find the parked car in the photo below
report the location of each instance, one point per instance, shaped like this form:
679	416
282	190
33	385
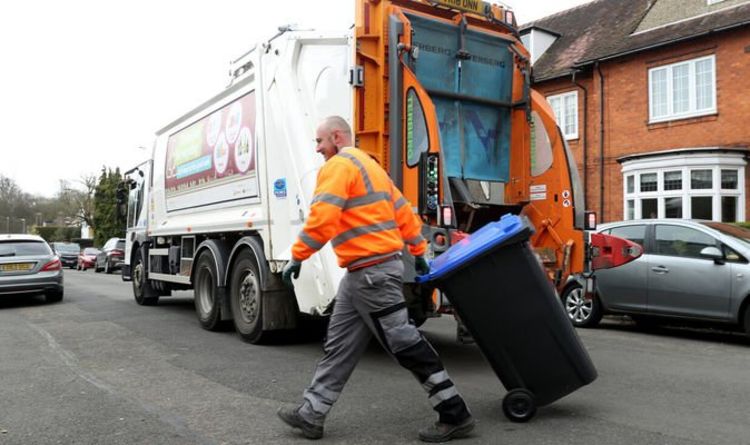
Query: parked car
690	270
111	256
29	266
68	253
87	258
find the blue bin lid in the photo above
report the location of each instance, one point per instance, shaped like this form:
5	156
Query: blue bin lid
473	246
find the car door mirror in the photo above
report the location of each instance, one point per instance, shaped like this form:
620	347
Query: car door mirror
713	253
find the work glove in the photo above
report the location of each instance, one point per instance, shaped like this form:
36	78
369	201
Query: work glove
421	266
291	269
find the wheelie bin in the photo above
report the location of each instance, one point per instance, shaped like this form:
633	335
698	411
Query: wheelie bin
501	293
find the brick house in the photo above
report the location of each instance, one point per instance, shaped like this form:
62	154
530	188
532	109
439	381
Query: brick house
652	97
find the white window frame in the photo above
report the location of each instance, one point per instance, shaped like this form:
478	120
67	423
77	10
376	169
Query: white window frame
561	117
692	91
685	164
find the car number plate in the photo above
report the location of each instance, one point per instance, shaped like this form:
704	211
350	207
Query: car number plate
14	267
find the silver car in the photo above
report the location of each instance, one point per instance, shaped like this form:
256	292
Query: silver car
689	270
28	266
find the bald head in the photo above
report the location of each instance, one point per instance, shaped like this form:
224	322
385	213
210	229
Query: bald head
332	135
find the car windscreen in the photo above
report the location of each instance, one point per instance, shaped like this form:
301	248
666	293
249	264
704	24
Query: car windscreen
90	251
23	248
120	245
67	248
741	234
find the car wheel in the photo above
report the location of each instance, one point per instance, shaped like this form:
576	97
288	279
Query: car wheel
143	293
581	312
747	320
207	292
53	296
246	298
107	269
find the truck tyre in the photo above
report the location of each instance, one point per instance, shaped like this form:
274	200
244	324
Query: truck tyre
207	292
246	297
144	294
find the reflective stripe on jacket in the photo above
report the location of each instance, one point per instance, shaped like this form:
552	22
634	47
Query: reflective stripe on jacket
358	208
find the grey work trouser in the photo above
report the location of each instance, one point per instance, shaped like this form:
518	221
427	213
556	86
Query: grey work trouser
370	300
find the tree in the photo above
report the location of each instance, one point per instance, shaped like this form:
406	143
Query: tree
16	207
107	220
80	200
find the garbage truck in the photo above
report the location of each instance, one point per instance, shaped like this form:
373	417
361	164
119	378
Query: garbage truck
437	92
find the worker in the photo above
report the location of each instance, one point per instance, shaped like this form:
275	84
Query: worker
358	208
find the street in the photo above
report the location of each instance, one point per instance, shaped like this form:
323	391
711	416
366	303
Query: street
99	369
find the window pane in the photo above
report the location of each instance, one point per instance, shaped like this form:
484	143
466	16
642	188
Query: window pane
417	140
630	180
700	207
681	88
729	179
701	179
704	84
659	93
649	208
633	233
673	180
673	207
554	102
729	208
648	182
630	213
541	148
681	241
571	120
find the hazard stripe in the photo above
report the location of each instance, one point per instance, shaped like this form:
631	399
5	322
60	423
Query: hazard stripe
435	379
362	171
415	241
443	395
305	238
369	198
329	198
364	230
400	202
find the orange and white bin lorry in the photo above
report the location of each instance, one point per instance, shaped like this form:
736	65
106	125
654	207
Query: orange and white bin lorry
438	92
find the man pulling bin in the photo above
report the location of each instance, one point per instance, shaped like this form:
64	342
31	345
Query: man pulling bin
357	207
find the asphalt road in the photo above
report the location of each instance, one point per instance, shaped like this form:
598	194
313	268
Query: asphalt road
99	369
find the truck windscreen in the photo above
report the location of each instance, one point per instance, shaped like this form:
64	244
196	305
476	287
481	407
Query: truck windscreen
468	75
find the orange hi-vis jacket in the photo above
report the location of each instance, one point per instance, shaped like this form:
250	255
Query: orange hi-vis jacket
358	208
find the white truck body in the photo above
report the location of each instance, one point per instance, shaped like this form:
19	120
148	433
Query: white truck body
244	162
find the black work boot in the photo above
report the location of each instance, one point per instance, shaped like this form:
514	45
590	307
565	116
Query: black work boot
291	417
443	432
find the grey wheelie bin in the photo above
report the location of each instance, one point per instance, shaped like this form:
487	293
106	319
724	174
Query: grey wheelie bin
501	293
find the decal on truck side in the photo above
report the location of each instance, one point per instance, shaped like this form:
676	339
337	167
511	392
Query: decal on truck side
210	160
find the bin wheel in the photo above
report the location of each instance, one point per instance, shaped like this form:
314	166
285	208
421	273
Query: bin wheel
519	405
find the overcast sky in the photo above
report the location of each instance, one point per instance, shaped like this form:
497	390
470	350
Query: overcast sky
85	83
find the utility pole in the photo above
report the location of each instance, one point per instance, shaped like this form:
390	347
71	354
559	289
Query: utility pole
23	225
7	224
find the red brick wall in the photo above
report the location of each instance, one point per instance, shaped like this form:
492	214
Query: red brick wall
626	113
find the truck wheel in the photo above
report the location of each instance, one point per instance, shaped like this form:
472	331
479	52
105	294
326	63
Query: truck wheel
207	292
144	294
246	297
519	405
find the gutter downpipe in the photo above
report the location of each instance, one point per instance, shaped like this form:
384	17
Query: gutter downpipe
585	134
601	139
